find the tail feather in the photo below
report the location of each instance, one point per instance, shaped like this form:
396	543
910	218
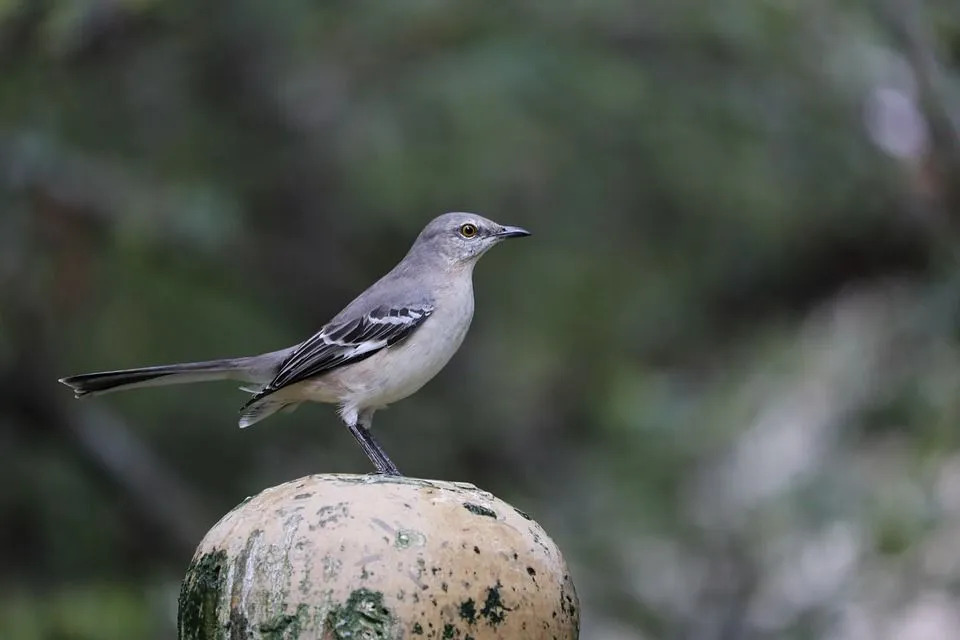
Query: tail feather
107	381
256	411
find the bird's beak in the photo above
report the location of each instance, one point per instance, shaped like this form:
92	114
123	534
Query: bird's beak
512	232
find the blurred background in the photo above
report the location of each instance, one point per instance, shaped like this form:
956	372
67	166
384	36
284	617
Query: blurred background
724	373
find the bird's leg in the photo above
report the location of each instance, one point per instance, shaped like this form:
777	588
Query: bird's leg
360	428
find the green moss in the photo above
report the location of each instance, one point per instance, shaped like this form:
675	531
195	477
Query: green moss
468	610
493	608
197	617
478	510
522	514
363	615
284	626
238	624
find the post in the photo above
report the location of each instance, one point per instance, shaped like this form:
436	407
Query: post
338	557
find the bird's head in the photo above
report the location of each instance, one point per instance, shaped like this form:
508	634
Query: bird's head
459	238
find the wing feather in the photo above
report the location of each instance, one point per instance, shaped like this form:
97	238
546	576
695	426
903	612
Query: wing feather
346	342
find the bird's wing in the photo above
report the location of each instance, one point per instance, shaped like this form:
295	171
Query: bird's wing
340	343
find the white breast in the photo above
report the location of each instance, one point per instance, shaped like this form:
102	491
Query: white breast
398	371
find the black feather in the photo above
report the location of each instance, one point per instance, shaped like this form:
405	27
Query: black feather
335	345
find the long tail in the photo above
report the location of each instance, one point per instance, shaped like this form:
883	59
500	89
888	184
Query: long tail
257	369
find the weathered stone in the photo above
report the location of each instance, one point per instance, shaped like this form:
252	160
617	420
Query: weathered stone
338	557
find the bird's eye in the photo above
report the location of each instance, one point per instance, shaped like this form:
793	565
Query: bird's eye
468	230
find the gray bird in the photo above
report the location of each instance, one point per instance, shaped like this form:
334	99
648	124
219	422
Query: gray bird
386	344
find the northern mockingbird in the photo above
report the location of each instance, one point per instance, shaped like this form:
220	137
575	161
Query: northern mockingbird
384	346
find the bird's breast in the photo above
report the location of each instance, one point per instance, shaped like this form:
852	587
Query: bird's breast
400	370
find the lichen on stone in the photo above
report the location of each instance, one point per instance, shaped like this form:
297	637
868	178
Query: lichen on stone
331	567
283	626
493	608
331	514
198	615
468	610
479	510
363	615
406	538
361	560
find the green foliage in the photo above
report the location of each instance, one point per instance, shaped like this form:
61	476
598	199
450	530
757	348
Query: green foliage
724	372
94	611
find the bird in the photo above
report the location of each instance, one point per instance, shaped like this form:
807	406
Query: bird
381	348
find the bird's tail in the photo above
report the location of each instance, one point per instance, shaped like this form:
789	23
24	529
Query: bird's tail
252	369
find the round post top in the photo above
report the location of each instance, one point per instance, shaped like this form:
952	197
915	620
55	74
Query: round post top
337	557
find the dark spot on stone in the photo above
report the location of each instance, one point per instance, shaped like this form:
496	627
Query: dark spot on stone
301	496
568	604
197	617
417	629
476	549
444	586
493	608
478	510
468	610
531	572
448	631
522	514
282	626
238	624
331	513
363	615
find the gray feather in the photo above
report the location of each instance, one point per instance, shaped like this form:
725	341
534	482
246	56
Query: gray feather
257	369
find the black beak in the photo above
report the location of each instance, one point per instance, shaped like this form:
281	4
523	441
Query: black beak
512	232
